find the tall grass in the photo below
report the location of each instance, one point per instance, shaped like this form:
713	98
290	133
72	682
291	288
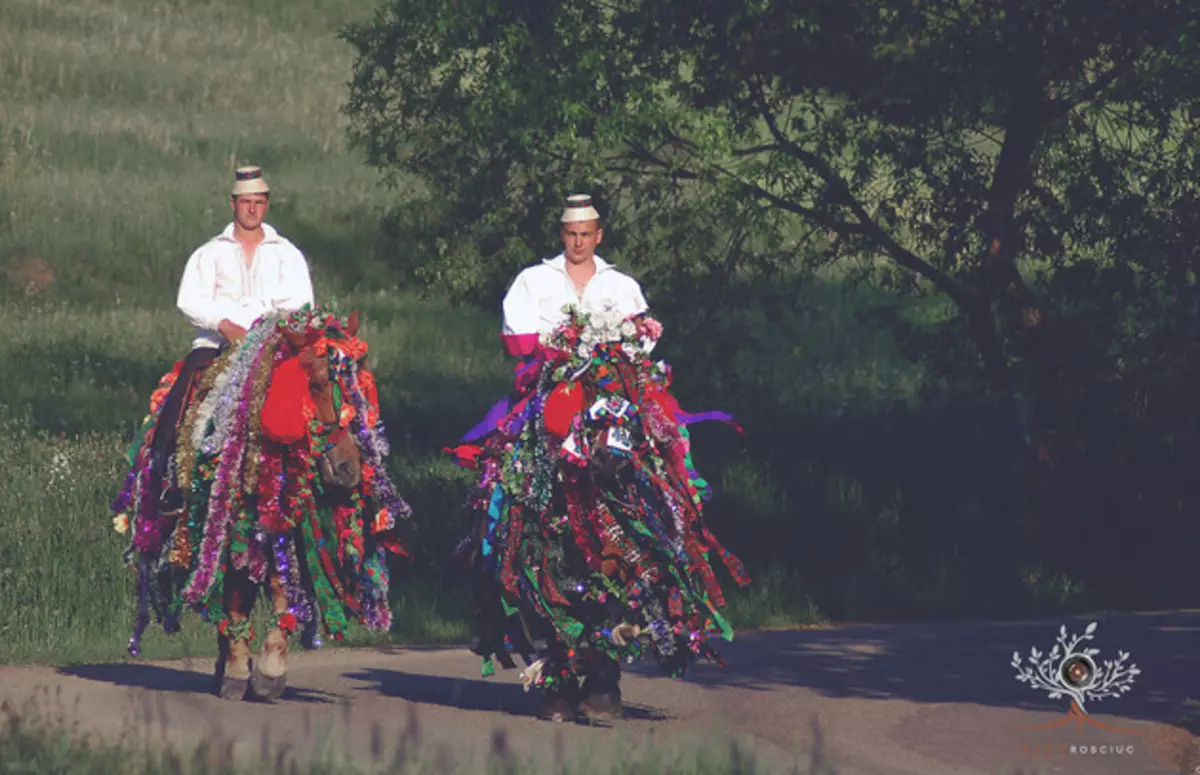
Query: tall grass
43	737
122	122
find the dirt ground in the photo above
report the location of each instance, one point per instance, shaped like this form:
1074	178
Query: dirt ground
889	699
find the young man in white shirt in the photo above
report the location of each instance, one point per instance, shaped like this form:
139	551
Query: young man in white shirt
231	281
535	301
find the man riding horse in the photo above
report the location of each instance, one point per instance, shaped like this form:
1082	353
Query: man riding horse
261	467
588	533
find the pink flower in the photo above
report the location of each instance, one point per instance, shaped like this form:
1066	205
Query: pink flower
652	327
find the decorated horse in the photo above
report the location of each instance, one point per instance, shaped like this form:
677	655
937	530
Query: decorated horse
280	455
590	533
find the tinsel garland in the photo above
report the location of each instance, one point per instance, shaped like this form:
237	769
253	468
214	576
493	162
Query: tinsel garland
262	378
592	518
272	479
198	416
299	601
259	505
370	436
231	423
230	399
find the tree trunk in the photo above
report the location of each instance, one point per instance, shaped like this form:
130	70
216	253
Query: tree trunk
1006	393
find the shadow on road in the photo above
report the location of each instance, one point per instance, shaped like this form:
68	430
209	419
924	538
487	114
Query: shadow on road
166	679
970	663
461	693
471	694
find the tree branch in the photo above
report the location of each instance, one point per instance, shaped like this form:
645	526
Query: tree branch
757	149
1059	107
864	223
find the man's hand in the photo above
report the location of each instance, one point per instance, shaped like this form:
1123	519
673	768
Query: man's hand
232	332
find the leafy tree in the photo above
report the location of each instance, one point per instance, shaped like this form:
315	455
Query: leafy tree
977	150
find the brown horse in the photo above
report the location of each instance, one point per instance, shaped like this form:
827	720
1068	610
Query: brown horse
281	451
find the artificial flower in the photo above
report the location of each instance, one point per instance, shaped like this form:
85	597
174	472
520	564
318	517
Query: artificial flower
383	520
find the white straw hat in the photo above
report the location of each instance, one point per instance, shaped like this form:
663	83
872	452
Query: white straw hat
579	208
249	180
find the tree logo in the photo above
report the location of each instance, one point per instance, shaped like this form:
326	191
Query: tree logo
1072	670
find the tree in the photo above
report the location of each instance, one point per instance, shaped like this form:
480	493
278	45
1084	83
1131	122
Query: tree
968	148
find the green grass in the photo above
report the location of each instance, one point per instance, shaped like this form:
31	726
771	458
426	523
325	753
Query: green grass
43	737
123	120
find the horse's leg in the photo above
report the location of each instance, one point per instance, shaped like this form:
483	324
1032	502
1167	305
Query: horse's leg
601	692
560	696
270	671
233	665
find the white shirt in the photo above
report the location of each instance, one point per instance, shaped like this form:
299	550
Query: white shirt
218	284
534	304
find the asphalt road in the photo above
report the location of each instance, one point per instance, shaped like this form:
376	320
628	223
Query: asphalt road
919	698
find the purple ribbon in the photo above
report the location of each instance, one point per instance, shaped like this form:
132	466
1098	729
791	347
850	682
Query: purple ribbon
687	418
497	413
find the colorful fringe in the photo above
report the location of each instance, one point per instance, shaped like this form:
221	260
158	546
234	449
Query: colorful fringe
259	504
590	528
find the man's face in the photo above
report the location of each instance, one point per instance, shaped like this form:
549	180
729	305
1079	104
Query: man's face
249	210
580	240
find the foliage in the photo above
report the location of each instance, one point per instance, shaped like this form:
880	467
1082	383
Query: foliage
1032	162
952	137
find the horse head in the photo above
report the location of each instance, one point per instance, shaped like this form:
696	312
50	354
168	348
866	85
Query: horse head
340	464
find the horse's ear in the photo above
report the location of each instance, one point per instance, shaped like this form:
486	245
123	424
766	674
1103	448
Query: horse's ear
352	324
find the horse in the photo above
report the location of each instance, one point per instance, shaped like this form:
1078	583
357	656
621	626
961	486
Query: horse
588	530
281	455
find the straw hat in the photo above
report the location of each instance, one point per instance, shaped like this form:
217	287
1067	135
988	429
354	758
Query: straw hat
249	180
579	208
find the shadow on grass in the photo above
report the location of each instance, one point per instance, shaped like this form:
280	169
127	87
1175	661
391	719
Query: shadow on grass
70	389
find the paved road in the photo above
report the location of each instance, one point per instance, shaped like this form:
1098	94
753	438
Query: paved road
923	699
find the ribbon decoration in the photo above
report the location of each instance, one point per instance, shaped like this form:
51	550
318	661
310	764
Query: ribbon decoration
533	355
528	347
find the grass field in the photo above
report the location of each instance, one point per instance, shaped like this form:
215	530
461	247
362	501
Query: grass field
123	119
42	739
121	123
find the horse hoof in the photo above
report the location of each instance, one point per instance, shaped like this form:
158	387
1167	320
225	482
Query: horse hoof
233	688
266	687
557	709
603	705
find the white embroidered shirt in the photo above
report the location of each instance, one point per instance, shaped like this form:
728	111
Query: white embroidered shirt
219	284
535	301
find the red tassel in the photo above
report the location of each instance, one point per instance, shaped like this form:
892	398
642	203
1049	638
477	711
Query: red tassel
665	400
466	455
560	409
284	411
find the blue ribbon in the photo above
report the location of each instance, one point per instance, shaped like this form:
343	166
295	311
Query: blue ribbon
493	518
